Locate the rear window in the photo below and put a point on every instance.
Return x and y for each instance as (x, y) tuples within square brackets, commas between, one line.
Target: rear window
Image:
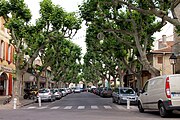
[(126, 91), (43, 91)]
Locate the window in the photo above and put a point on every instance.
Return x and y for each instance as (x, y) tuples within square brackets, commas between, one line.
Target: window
[(160, 60), (145, 87), (116, 90), (9, 53), (2, 50)]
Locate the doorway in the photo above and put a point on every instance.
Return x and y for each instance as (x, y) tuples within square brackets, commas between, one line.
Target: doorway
[(3, 84)]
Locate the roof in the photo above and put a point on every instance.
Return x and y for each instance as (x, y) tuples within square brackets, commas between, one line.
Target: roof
[(166, 49), (163, 50)]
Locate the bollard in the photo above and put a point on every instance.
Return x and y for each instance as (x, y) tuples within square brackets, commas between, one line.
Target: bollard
[(39, 100), (15, 102), (128, 103)]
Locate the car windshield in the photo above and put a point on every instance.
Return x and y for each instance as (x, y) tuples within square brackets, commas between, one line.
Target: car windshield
[(127, 91), (55, 90), (43, 91), (107, 89)]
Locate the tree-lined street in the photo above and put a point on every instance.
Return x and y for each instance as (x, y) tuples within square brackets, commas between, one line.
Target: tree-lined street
[(80, 106), (120, 53)]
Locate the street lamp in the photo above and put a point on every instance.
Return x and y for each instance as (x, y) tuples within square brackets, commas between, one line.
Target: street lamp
[(173, 60)]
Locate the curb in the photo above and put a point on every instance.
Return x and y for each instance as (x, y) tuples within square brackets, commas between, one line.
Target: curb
[(27, 104)]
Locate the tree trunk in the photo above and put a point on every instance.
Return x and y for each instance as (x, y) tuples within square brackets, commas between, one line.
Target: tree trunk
[(114, 82), (147, 66), (139, 82), (17, 82), (47, 83), (38, 82)]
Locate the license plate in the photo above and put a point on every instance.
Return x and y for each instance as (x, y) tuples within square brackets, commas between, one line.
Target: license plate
[(176, 95)]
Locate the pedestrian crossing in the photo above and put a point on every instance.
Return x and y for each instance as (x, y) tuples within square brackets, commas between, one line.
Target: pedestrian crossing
[(92, 107)]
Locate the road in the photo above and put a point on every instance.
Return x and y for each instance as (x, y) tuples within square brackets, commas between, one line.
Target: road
[(80, 106)]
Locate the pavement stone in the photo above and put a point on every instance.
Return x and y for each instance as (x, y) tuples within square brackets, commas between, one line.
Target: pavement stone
[(23, 102)]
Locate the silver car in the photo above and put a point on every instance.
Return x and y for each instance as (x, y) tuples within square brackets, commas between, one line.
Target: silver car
[(46, 95), (57, 93), (122, 94)]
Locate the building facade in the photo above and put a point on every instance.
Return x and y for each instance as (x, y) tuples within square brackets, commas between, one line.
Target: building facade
[(160, 56), (176, 45), (7, 66)]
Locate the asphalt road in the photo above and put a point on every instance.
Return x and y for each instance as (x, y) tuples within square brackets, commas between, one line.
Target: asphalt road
[(80, 106)]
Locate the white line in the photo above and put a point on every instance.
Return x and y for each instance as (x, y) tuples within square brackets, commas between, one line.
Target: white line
[(94, 107), (107, 107), (81, 107), (68, 107), (134, 107), (31, 107), (121, 107), (54, 108), (42, 107)]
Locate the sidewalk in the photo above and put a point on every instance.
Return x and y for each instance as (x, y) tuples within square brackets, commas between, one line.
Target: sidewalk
[(23, 102)]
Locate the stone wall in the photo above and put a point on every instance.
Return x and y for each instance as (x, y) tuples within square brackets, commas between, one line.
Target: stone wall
[(176, 47)]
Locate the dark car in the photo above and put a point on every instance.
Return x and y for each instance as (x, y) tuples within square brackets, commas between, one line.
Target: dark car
[(122, 94), (106, 92)]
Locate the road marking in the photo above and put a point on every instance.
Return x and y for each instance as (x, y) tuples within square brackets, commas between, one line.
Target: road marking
[(134, 107), (31, 107), (121, 107), (81, 107), (68, 107), (107, 107), (42, 107), (53, 108), (94, 107)]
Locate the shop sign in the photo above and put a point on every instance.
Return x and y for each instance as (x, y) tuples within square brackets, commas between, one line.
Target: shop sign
[(6, 69)]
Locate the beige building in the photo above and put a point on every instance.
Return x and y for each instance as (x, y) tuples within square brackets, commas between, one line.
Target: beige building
[(7, 66), (160, 57), (176, 46)]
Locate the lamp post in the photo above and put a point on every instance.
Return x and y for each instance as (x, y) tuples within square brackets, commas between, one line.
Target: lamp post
[(173, 60)]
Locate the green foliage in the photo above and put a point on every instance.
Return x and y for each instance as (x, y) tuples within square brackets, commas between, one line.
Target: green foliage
[(45, 39)]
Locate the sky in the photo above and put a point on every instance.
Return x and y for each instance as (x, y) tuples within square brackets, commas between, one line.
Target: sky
[(72, 6)]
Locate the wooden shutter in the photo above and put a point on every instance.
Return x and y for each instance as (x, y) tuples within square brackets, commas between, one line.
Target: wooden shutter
[(6, 51), (11, 55)]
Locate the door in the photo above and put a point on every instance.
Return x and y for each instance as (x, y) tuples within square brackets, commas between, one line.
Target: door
[(3, 80), (175, 89)]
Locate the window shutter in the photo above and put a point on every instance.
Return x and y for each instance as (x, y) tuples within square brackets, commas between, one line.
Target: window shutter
[(11, 55), (0, 48), (6, 51)]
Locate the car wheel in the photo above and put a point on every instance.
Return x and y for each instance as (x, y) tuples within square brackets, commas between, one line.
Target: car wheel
[(113, 100), (141, 109), (119, 101), (162, 111), (51, 99)]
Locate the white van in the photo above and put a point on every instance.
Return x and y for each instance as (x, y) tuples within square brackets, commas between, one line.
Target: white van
[(161, 93)]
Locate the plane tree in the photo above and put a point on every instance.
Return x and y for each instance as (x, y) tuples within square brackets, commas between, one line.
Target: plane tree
[(28, 39), (163, 9), (66, 67), (131, 28)]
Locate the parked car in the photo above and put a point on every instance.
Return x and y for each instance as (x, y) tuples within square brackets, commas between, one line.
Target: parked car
[(106, 92), (46, 95), (57, 93), (161, 93), (77, 90), (122, 94), (63, 91)]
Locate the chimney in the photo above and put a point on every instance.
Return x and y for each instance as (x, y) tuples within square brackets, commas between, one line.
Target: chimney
[(164, 39)]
